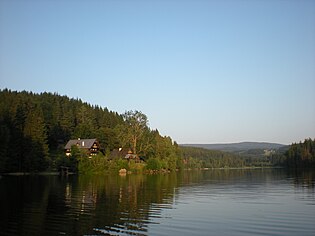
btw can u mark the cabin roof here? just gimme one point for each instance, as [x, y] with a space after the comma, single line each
[121, 153]
[82, 143]
[118, 153]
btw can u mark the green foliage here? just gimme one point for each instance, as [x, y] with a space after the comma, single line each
[71, 162]
[118, 164]
[95, 165]
[100, 164]
[297, 155]
[107, 138]
[136, 167]
[204, 158]
[36, 155]
[154, 164]
[301, 154]
[4, 144]
[35, 127]
[132, 131]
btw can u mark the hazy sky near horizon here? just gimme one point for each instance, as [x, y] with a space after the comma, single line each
[202, 71]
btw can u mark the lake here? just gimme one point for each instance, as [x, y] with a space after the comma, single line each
[209, 202]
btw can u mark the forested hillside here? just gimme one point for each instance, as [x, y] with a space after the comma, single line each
[298, 155]
[205, 158]
[35, 127]
[249, 149]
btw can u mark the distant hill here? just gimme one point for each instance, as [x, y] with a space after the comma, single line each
[238, 147]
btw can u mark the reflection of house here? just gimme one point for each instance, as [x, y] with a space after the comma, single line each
[91, 146]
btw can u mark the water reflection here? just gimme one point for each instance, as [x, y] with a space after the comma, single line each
[304, 179]
[116, 204]
[131, 204]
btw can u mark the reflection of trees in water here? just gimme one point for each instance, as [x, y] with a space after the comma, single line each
[229, 176]
[113, 204]
[303, 179]
[251, 181]
[127, 204]
[122, 203]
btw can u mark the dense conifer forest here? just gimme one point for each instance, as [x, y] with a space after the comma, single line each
[299, 155]
[34, 129]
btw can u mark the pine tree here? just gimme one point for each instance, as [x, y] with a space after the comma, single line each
[35, 145]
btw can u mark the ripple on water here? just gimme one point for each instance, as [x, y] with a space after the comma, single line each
[256, 204]
[258, 209]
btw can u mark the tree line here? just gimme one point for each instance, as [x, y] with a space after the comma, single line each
[298, 155]
[34, 129]
[205, 158]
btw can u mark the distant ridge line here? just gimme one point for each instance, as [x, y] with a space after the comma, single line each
[234, 147]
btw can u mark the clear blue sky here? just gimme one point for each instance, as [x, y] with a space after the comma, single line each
[202, 71]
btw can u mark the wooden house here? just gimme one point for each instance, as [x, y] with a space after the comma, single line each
[91, 146]
[124, 154]
[131, 156]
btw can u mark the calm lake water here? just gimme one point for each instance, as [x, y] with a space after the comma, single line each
[212, 202]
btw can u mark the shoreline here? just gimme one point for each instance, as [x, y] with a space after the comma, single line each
[56, 173]
[49, 173]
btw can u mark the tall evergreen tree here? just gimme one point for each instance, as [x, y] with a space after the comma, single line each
[35, 126]
[36, 157]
